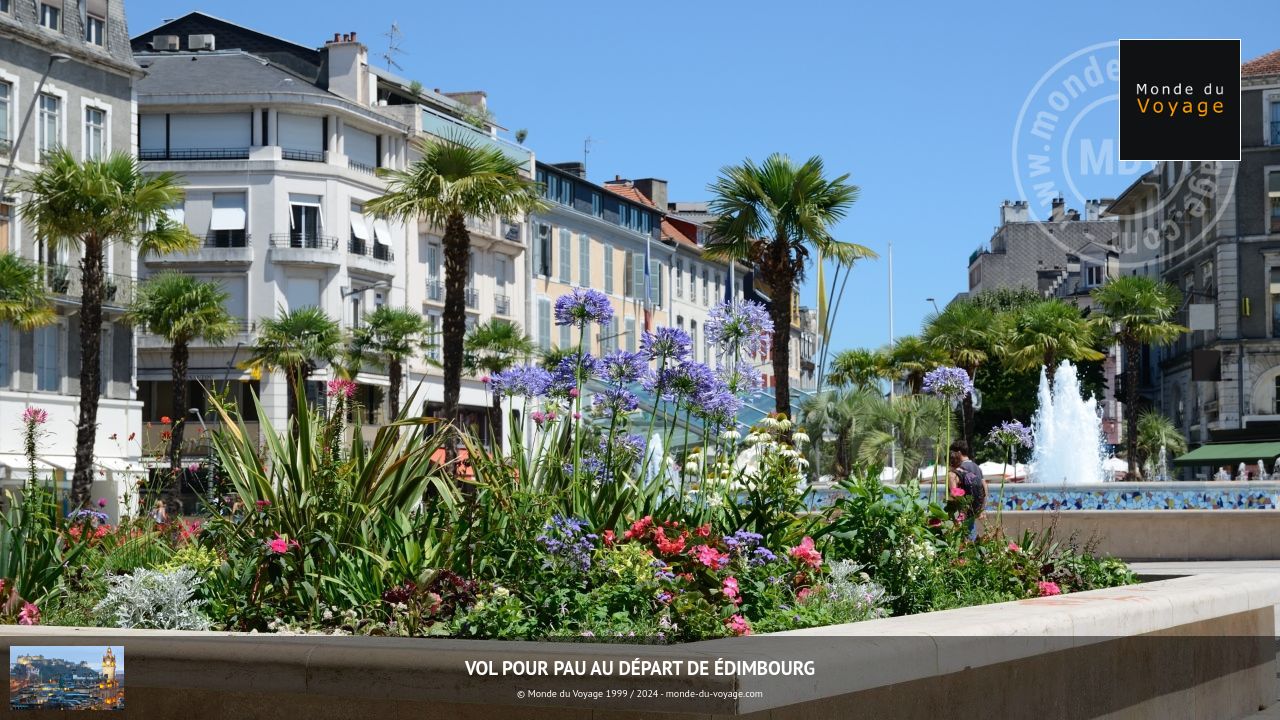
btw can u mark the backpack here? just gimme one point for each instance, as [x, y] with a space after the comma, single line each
[970, 480]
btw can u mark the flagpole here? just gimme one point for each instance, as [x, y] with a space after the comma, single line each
[893, 445]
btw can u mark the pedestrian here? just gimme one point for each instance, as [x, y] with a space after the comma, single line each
[966, 476]
[159, 515]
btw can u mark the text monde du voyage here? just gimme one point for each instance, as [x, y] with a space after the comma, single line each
[1180, 99]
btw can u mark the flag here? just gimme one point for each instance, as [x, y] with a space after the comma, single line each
[822, 301]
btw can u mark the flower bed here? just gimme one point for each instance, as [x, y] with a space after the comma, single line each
[593, 527]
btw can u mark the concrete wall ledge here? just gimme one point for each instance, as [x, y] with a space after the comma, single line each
[1157, 534]
[882, 662]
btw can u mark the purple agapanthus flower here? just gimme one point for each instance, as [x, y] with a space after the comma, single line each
[717, 407]
[666, 345]
[573, 372]
[583, 306]
[951, 383]
[744, 379]
[615, 400]
[742, 326]
[1010, 433]
[622, 367]
[685, 381]
[529, 381]
[629, 446]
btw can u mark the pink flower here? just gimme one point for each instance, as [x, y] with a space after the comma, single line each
[577, 416]
[710, 557]
[957, 492]
[731, 590]
[35, 416]
[279, 545]
[1048, 588]
[262, 503]
[485, 379]
[538, 416]
[805, 553]
[29, 615]
[1013, 547]
[193, 468]
[960, 517]
[804, 594]
[341, 387]
[738, 625]
[573, 392]
[102, 502]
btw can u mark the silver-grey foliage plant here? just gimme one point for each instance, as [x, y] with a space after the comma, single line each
[153, 599]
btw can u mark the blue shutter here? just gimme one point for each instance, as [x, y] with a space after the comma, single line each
[584, 260]
[537, 255]
[608, 269]
[544, 323]
[566, 245]
[631, 334]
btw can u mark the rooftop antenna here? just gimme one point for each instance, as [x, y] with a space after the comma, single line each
[586, 148]
[393, 37]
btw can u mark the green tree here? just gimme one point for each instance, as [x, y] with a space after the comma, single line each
[858, 368]
[489, 349]
[1156, 431]
[770, 215]
[837, 420]
[181, 308]
[964, 331]
[393, 335]
[88, 208]
[909, 428]
[455, 179]
[23, 301]
[1045, 334]
[1138, 311]
[911, 357]
[295, 342]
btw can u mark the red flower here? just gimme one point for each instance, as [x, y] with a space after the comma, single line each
[608, 538]
[710, 557]
[704, 531]
[1013, 547]
[639, 528]
[132, 435]
[957, 492]
[934, 522]
[1047, 588]
[673, 546]
[279, 545]
[805, 553]
[165, 420]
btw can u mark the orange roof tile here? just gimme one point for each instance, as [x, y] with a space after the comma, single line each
[629, 192]
[1268, 64]
[670, 230]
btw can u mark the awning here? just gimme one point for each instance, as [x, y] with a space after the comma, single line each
[382, 231]
[1230, 453]
[228, 212]
[119, 465]
[358, 228]
[62, 462]
[19, 462]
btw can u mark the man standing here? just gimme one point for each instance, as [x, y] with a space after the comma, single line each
[966, 484]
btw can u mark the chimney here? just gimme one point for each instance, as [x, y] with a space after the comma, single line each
[1059, 211]
[1012, 212]
[654, 189]
[348, 67]
[577, 168]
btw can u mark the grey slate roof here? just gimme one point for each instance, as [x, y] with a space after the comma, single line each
[231, 72]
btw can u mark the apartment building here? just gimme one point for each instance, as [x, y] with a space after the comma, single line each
[66, 81]
[279, 145]
[1213, 230]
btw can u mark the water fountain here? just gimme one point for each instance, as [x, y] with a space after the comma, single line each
[1240, 473]
[1262, 471]
[1068, 433]
[1162, 470]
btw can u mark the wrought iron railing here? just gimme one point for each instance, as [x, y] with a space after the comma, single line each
[501, 305]
[435, 290]
[310, 241]
[473, 298]
[375, 250]
[66, 282]
[360, 167]
[304, 155]
[196, 154]
[226, 239]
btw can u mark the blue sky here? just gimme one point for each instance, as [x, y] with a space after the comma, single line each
[91, 654]
[917, 102]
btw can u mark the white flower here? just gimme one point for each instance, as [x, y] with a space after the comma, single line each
[730, 436]
[800, 438]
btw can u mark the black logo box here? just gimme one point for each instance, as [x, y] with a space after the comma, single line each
[1187, 68]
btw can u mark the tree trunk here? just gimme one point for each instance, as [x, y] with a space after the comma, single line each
[1131, 407]
[179, 357]
[457, 250]
[1050, 367]
[780, 283]
[495, 424]
[291, 395]
[90, 370]
[394, 371]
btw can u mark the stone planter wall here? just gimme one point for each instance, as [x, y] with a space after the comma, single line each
[1158, 534]
[1200, 646]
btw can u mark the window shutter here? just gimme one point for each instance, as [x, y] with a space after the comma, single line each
[608, 269]
[627, 276]
[631, 334]
[566, 338]
[655, 287]
[584, 260]
[566, 245]
[637, 281]
[586, 338]
[544, 323]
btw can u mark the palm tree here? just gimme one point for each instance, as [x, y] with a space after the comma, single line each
[839, 419]
[909, 427]
[770, 215]
[455, 179]
[1045, 334]
[1156, 431]
[394, 334]
[295, 342]
[911, 357]
[22, 298]
[964, 332]
[858, 368]
[89, 207]
[1138, 311]
[491, 348]
[181, 308]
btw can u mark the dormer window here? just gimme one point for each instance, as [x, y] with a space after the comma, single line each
[1094, 275]
[95, 22]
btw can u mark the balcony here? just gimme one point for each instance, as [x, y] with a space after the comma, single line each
[63, 282]
[473, 298]
[502, 305]
[303, 155]
[370, 257]
[435, 291]
[299, 248]
[243, 332]
[240, 153]
[220, 246]
[511, 231]
[361, 167]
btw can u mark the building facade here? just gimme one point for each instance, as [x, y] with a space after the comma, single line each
[66, 81]
[1213, 230]
[279, 145]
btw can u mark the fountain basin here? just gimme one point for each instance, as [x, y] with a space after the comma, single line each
[1111, 496]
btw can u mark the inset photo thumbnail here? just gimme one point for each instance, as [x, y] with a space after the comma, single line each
[66, 677]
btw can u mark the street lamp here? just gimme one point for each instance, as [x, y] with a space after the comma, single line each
[380, 285]
[54, 59]
[935, 305]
